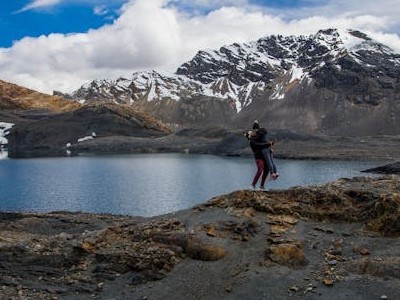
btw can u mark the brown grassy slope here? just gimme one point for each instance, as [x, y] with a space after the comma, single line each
[13, 96]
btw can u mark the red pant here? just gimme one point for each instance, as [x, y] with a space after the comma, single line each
[262, 168]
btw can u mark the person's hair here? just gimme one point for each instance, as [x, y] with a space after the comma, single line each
[256, 125]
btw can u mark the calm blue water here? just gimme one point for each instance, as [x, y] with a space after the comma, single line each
[145, 184]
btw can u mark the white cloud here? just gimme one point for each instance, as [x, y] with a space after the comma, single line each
[40, 4]
[208, 4]
[99, 5]
[150, 35]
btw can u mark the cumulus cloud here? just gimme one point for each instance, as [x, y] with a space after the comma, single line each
[157, 34]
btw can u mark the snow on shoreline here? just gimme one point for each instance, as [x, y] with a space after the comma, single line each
[86, 138]
[4, 130]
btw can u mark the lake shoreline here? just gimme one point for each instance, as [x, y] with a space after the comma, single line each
[219, 141]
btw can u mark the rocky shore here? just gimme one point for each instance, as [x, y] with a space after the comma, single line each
[217, 141]
[334, 241]
[393, 168]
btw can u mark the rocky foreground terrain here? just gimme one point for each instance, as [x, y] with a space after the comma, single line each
[335, 241]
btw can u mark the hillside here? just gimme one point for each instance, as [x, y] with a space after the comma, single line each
[13, 96]
[58, 134]
[37, 124]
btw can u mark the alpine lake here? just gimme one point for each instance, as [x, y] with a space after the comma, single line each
[147, 184]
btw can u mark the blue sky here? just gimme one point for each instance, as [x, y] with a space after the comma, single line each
[66, 17]
[60, 44]
[21, 18]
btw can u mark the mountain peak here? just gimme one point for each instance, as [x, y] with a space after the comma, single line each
[330, 32]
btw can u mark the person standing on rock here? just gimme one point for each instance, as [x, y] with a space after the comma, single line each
[262, 153]
[256, 147]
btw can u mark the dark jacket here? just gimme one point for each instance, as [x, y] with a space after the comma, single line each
[258, 141]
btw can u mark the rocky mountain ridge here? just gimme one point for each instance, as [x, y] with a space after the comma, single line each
[314, 82]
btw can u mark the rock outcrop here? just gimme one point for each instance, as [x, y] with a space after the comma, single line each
[393, 168]
[337, 240]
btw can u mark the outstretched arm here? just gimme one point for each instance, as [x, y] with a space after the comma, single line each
[260, 144]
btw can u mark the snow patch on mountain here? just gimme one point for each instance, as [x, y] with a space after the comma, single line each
[278, 93]
[297, 73]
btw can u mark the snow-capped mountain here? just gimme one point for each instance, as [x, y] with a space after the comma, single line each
[149, 85]
[314, 81]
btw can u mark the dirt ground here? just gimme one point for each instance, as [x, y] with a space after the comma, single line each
[334, 241]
